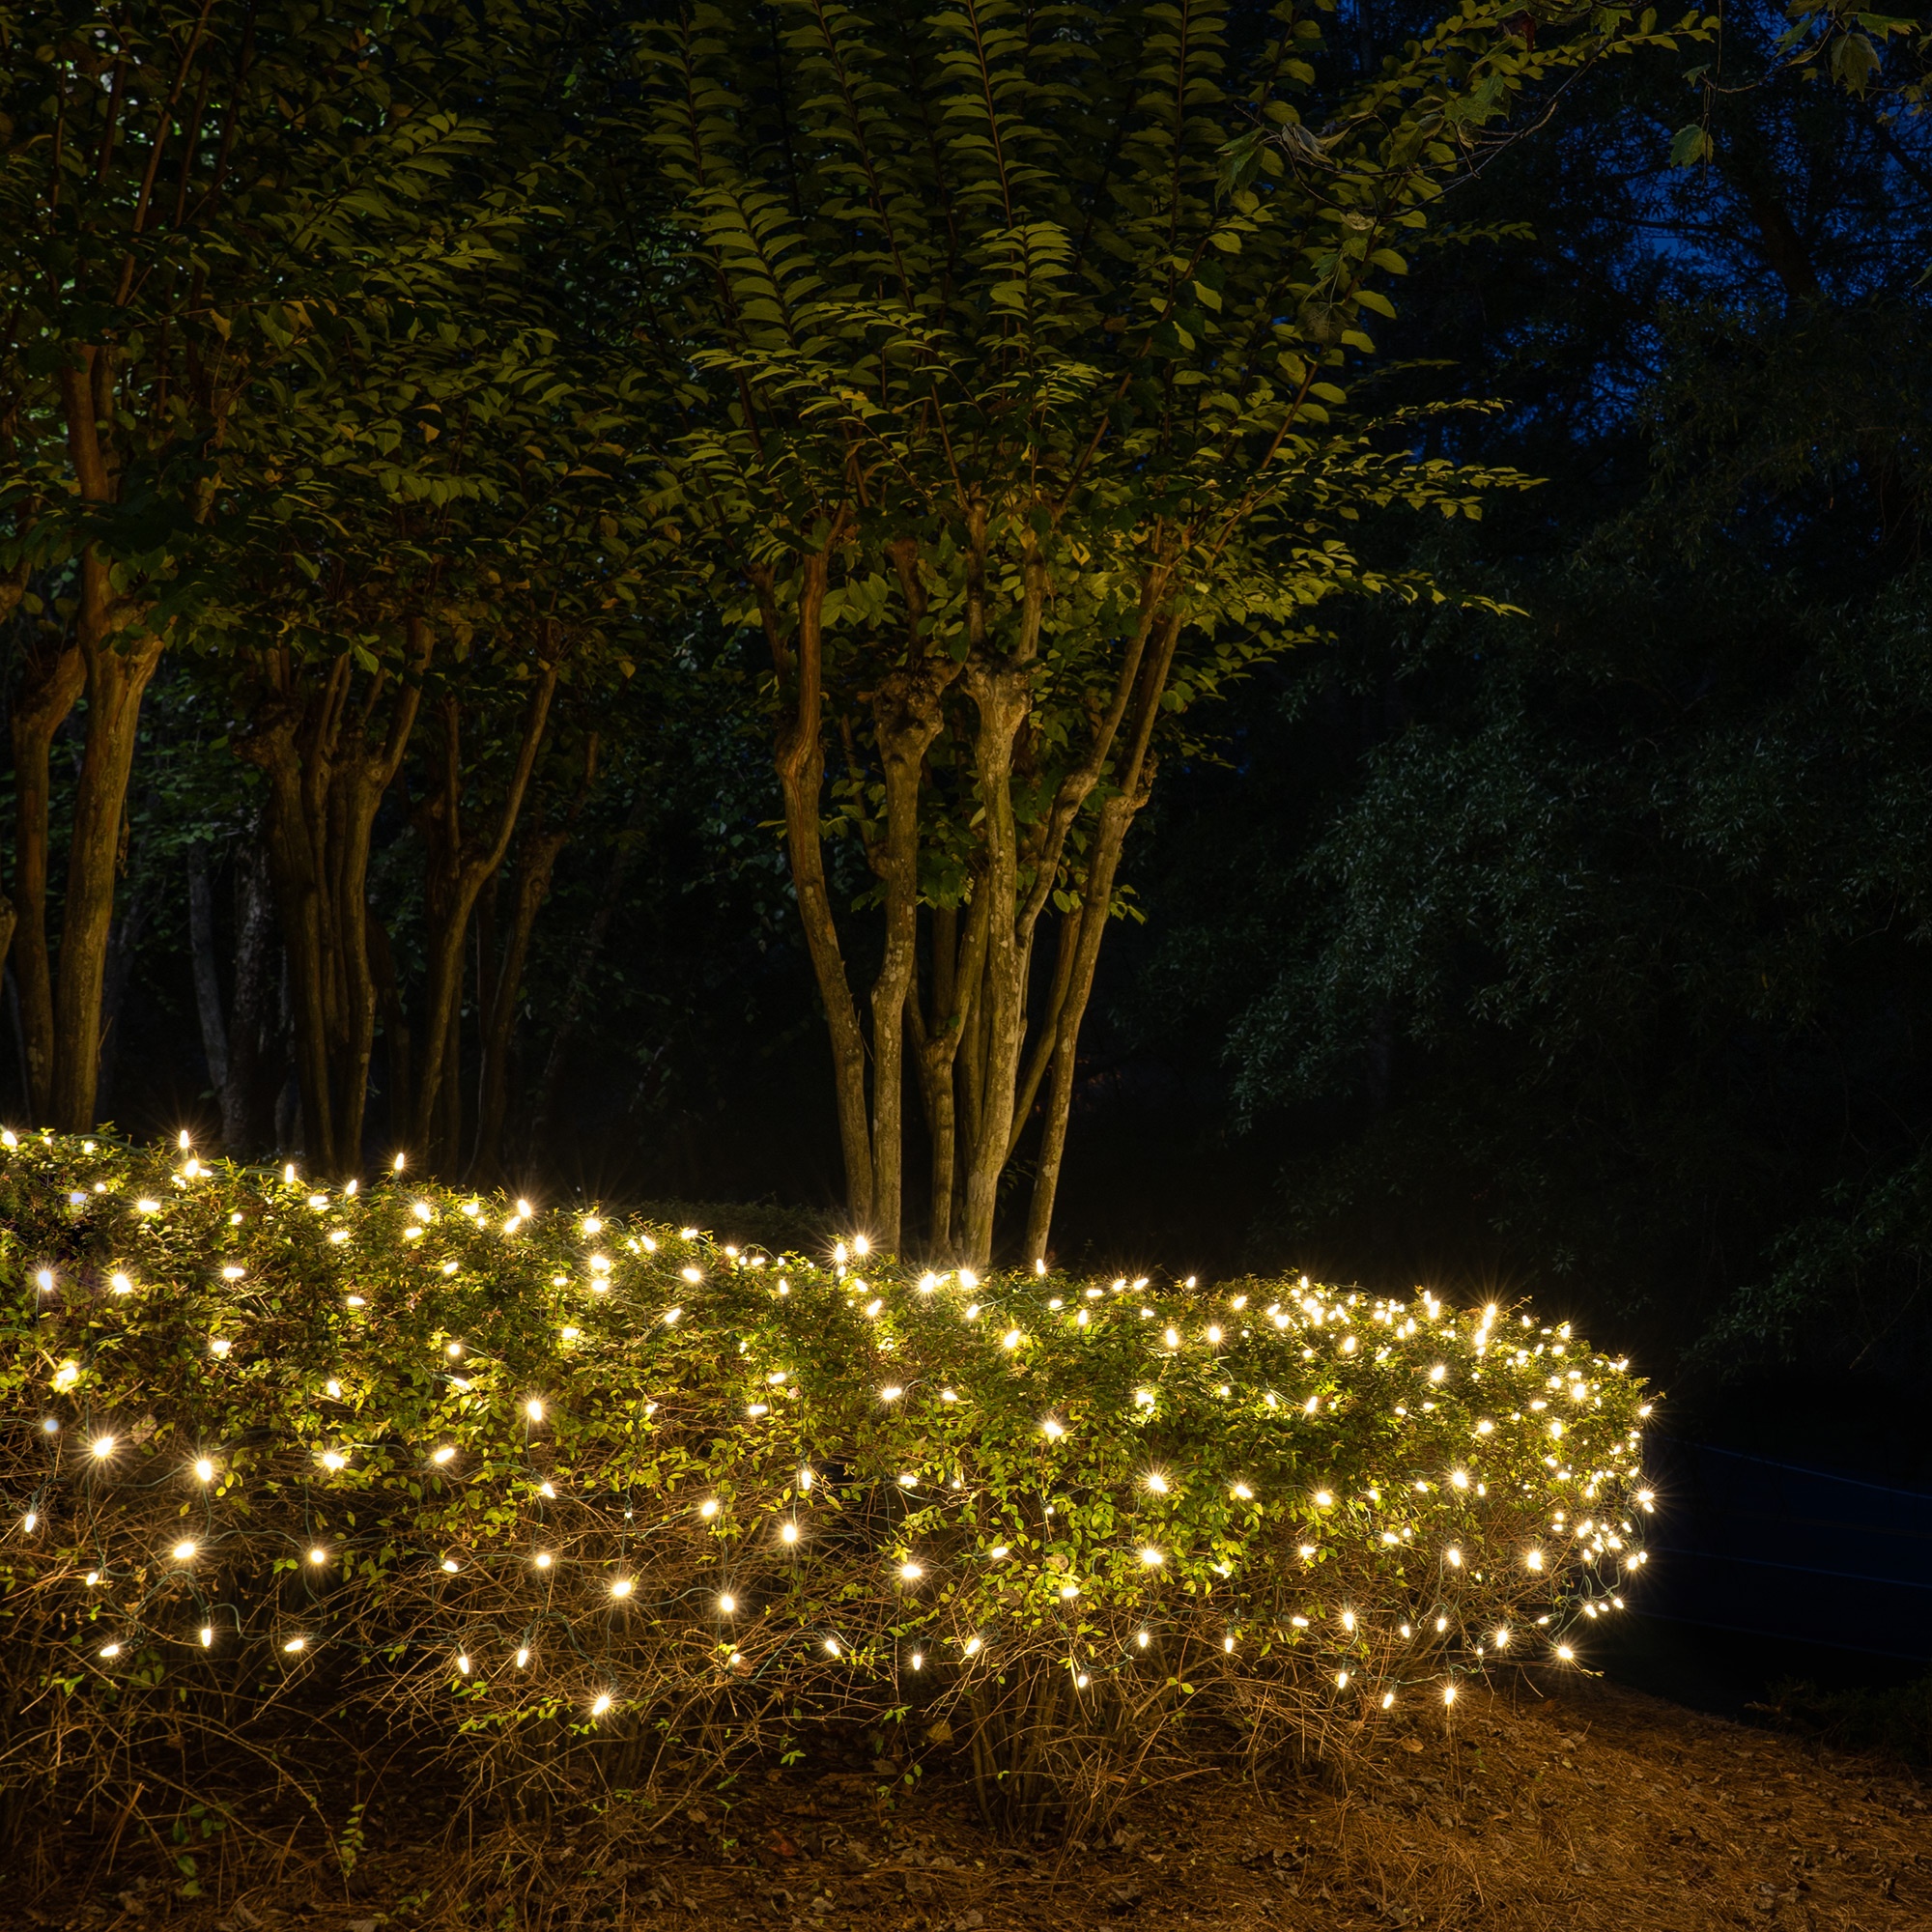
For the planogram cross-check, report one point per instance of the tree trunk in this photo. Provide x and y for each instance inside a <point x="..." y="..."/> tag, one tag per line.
<point x="1001" y="697"/>
<point x="457" y="874"/>
<point x="1085" y="931"/>
<point x="800" y="763"/>
<point x="115" y="682"/>
<point x="907" y="717"/>
<point x="327" y="771"/>
<point x="1117" y="815"/>
<point x="52" y="683"/>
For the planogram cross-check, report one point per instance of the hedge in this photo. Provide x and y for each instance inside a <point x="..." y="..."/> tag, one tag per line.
<point x="565" y="1496"/>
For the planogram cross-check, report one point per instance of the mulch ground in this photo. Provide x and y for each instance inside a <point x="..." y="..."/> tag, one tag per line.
<point x="1571" y="1805"/>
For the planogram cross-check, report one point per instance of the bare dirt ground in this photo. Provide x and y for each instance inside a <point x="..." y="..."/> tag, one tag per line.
<point x="1570" y="1804"/>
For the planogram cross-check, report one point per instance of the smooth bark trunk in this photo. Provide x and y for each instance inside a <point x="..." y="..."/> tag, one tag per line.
<point x="800" y="763"/>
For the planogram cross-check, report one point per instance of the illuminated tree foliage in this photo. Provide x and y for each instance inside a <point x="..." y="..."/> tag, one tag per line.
<point x="555" y="1494"/>
<point x="1019" y="425"/>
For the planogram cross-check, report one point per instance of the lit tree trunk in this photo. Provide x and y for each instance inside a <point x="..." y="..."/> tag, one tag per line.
<point x="1117" y="815"/>
<point x="907" y="716"/>
<point x="115" y="682"/>
<point x="1001" y="699"/>
<point x="800" y="770"/>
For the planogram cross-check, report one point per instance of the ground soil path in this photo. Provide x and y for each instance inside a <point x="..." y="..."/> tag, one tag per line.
<point x="1560" y="1808"/>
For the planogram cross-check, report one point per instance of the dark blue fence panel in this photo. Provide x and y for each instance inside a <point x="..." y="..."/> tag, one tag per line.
<point x="1744" y="1544"/>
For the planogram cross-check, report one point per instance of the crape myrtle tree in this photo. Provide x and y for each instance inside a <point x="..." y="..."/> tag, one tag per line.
<point x="1017" y="423"/>
<point x="200" y="205"/>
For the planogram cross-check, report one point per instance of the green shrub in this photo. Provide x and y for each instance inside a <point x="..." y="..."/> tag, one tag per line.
<point x="567" y="1497"/>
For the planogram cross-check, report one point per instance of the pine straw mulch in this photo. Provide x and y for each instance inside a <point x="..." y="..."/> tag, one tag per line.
<point x="1566" y="1803"/>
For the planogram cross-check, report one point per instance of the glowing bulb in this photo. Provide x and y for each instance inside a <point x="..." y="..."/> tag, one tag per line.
<point x="601" y="1704"/>
<point x="534" y="1410"/>
<point x="1151" y="1556"/>
<point x="788" y="1532"/>
<point x="543" y="1559"/>
<point x="911" y="1572"/>
<point x="294" y="1644"/>
<point x="119" y="1284"/>
<point x="1448" y="1693"/>
<point x="708" y="1506"/>
<point x="620" y="1586"/>
<point x="1323" y="1499"/>
<point x="1534" y="1560"/>
<point x="523" y="1658"/>
<point x="207" y="1636"/>
<point x="184" y="1552"/>
<point x="102" y="1447"/>
<point x="317" y="1554"/>
<point x="1011" y="1338"/>
<point x="442" y="1455"/>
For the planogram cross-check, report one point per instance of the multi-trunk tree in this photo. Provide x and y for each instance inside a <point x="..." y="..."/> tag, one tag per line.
<point x="1016" y="418"/>
<point x="206" y="208"/>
